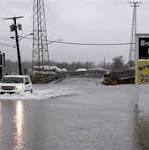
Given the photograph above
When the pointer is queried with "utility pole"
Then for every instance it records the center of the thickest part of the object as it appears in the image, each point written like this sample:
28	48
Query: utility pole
133	31
14	28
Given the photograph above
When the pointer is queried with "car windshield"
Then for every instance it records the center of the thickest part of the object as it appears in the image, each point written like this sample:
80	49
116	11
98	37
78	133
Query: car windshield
12	80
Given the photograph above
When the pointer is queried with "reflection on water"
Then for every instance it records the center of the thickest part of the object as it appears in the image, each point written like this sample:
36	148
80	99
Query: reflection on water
19	122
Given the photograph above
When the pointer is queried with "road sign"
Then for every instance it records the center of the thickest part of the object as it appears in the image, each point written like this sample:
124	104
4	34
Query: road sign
143	47
142	59
142	72
2	59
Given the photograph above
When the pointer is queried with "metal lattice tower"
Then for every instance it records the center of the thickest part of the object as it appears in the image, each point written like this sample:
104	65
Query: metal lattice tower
133	30
40	55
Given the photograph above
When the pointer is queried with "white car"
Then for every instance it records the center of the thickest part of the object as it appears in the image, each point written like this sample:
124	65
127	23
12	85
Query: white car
15	84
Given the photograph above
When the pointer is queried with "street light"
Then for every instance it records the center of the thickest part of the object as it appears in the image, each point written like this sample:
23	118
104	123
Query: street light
25	36
22	37
54	41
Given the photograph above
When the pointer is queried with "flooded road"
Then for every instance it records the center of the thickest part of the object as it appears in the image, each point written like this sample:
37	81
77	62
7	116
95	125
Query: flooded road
143	119
76	114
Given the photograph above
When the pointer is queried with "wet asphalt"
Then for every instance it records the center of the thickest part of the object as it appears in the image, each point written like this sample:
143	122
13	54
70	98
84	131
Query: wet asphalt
99	118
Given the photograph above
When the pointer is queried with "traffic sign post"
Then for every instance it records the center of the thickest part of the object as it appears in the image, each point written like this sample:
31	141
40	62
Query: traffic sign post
2	59
2	63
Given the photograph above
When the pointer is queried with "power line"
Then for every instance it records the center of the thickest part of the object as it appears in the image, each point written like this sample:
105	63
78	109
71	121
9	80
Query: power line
5	44
84	44
92	44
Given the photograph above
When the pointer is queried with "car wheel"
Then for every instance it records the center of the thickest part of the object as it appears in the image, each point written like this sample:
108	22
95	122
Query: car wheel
31	90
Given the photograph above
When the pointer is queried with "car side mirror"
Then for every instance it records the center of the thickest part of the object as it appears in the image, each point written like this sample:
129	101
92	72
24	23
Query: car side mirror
26	82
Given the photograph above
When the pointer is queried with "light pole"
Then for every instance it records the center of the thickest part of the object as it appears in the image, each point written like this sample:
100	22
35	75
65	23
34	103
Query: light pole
55	41
25	36
135	5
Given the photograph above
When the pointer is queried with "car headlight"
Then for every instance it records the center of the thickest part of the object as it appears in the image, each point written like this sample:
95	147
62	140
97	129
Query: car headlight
19	87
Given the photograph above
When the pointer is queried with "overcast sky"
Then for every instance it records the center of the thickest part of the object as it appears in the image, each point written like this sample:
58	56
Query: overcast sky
86	21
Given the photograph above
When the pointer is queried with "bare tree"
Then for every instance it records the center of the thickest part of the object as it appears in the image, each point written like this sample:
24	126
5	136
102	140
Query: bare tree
118	63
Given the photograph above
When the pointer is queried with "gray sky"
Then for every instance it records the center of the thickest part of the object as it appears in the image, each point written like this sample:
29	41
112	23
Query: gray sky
86	21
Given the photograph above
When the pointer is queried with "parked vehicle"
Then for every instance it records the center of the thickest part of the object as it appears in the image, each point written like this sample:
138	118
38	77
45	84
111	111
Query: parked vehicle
119	77
15	84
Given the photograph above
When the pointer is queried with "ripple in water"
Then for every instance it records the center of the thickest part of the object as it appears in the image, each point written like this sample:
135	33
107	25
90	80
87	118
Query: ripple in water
39	94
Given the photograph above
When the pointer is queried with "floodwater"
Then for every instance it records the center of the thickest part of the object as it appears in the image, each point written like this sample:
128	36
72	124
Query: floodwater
75	114
142	131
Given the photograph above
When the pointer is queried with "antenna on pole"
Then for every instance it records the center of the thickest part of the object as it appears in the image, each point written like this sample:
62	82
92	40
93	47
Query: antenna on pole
40	56
133	31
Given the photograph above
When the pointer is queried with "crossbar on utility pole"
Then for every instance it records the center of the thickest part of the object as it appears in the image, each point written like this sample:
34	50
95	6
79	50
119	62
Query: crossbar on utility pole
17	42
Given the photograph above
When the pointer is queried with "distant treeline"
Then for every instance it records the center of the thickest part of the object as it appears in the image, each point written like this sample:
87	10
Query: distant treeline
118	63
12	66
